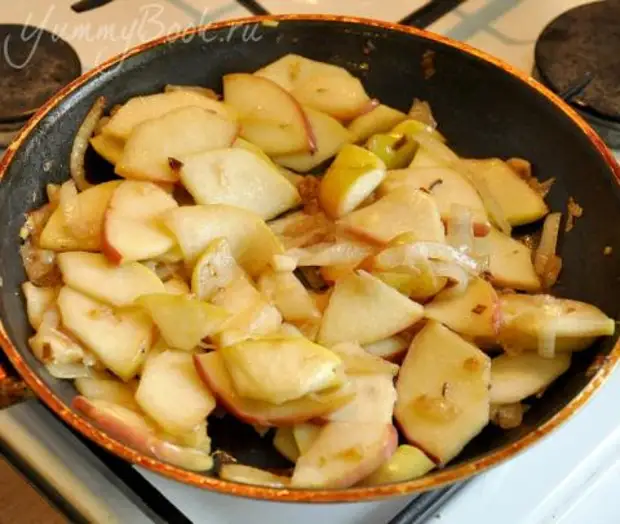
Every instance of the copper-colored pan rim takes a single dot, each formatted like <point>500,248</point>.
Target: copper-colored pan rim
<point>434,480</point>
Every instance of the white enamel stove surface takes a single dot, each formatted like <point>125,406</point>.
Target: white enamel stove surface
<point>570,478</point>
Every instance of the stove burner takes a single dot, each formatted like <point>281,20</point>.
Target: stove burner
<point>34,65</point>
<point>580,47</point>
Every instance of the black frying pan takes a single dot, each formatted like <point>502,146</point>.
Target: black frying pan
<point>485,109</point>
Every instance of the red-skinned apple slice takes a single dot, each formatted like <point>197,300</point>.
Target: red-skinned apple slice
<point>171,381</point>
<point>270,117</point>
<point>94,275</point>
<point>153,143</point>
<point>344,453</point>
<point>476,314</point>
<point>131,231</point>
<point>212,370</point>
<point>132,429</point>
<point>109,389</point>
<point>329,137</point>
<point>443,396</point>
<point>248,475</point>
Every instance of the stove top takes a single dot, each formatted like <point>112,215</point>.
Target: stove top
<point>566,478</point>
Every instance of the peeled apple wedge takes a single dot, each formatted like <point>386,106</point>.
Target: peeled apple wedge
<point>38,300</point>
<point>94,275</point>
<point>142,108</point>
<point>519,203</point>
<point>379,120</point>
<point>364,309</point>
<point>407,463</point>
<point>248,475</point>
<point>391,348</point>
<point>351,179</point>
<point>172,394</point>
<point>284,442</point>
<point>510,263</point>
<point>278,370</point>
<point>213,372</point>
<point>177,286</point>
<point>443,397</point>
<point>344,453</point>
<point>324,87</point>
<point>108,147</point>
<point>288,294</point>
<point>215,269</point>
<point>408,211</point>
<point>374,400</point>
<point>182,321</point>
<point>514,378</point>
<point>329,137</point>
<point>132,429</point>
<point>270,117</point>
<point>423,159</point>
<point>526,319</point>
<point>251,241</point>
<point>305,434</point>
<point>181,132</point>
<point>108,389</point>
<point>357,361</point>
<point>476,314</point>
<point>92,204</point>
<point>120,339</point>
<point>240,178</point>
<point>446,187</point>
<point>131,230</point>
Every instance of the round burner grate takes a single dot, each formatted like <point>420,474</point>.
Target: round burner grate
<point>34,65</point>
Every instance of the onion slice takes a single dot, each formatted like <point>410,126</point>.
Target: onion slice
<point>547,334</point>
<point>546,263</point>
<point>421,111</point>
<point>455,274</point>
<point>461,229</point>
<point>80,144</point>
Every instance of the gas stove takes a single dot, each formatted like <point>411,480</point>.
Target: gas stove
<point>569,478</point>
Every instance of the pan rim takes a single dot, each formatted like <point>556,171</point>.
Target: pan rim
<point>435,480</point>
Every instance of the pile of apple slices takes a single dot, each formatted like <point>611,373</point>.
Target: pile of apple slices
<point>386,293</point>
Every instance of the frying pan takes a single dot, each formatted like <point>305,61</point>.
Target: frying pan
<point>485,108</point>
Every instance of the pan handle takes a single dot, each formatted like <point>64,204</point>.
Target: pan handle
<point>13,389</point>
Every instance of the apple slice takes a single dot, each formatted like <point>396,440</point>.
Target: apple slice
<point>391,349</point>
<point>329,137</point>
<point>238,177</point>
<point>181,132</point>
<point>351,179</point>
<point>409,211</point>
<point>344,453</point>
<point>131,428</point>
<point>407,463</point>
<point>305,435</point>
<point>215,270</point>
<point>514,378</point>
<point>270,117</point>
<point>108,147</point>
<point>446,186</point>
<point>324,87</point>
<point>423,159</point>
<point>284,442</point>
<point>38,301</point>
<point>443,397</point>
<point>278,370</point>
<point>357,361</point>
<point>379,120</point>
<point>364,309</point>
<point>252,243</point>
<point>254,476</point>
<point>421,287</point>
<point>476,314</point>
<point>169,382</point>
<point>374,400</point>
<point>131,231</point>
<point>212,370</point>
<point>108,389</point>
<point>142,108</point>
<point>92,205</point>
<point>288,294</point>
<point>94,275</point>
<point>519,203</point>
<point>120,339</point>
<point>510,263</point>
<point>183,321</point>
<point>527,320</point>
<point>177,286</point>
